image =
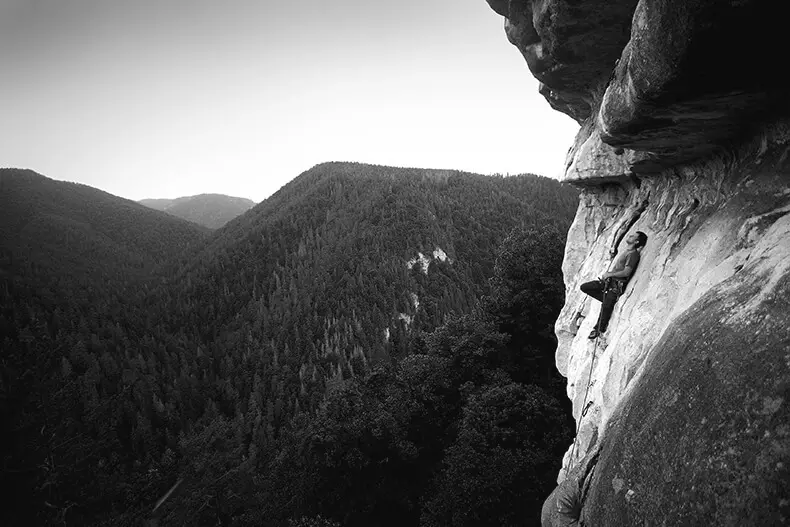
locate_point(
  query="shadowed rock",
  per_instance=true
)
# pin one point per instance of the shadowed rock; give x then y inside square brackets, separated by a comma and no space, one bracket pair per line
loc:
[570,47]
[677,79]
[694,75]
[705,437]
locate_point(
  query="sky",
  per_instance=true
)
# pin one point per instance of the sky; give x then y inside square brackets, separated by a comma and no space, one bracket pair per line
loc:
[168,98]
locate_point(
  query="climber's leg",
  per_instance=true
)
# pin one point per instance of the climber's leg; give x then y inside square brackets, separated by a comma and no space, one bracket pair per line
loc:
[594,289]
[609,297]
[607,306]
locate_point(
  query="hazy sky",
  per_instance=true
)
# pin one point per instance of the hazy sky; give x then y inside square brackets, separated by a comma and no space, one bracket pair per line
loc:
[165,98]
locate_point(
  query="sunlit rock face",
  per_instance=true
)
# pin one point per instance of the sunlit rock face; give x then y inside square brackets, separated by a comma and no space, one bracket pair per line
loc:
[704,437]
[689,391]
[682,406]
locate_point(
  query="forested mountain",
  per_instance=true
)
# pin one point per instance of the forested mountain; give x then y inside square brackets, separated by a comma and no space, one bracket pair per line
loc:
[72,259]
[210,366]
[58,231]
[210,210]
[349,259]
[467,430]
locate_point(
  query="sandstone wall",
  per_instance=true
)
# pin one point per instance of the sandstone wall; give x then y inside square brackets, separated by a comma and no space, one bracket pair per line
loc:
[682,406]
[706,222]
[687,406]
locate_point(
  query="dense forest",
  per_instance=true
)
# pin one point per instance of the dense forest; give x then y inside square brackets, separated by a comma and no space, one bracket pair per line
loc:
[369,346]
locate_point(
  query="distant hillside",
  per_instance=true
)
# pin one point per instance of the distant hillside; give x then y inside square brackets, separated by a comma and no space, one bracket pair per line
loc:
[210,210]
[345,264]
[196,373]
[54,230]
[73,263]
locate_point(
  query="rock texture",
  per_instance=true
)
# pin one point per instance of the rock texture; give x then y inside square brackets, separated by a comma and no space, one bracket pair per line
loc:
[570,46]
[682,406]
[675,78]
[689,388]
[674,91]
[705,436]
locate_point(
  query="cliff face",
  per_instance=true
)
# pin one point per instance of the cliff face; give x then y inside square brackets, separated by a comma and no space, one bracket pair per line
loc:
[687,400]
[682,405]
[671,79]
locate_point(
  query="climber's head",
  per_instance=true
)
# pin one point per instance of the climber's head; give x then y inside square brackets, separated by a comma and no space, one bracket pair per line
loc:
[636,240]
[641,239]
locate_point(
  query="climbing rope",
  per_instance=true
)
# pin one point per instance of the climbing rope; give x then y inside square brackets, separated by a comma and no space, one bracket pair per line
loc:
[612,253]
[586,392]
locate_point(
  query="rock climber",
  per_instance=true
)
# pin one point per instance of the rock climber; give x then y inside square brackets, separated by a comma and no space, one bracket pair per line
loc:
[611,285]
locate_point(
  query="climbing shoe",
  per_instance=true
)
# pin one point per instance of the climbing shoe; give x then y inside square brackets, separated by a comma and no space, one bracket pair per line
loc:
[594,334]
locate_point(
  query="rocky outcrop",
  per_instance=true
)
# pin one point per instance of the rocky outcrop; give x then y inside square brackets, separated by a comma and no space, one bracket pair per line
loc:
[674,91]
[672,78]
[704,437]
[570,47]
[688,389]
[682,406]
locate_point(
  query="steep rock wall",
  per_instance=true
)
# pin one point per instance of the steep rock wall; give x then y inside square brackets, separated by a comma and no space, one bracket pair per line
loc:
[689,388]
[705,222]
[682,406]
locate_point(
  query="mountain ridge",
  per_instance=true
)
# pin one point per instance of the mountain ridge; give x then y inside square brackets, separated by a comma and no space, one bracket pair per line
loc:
[57,225]
[209,209]
[374,203]
[199,364]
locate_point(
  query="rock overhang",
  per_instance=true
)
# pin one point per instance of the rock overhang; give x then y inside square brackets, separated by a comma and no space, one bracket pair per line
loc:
[570,47]
[661,82]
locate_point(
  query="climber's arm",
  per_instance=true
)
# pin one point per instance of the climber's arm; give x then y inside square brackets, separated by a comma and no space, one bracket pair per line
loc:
[631,261]
[624,273]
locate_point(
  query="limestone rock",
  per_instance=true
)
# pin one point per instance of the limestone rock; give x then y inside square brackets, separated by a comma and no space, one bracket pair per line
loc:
[704,439]
[704,319]
[679,79]
[674,92]
[593,162]
[570,46]
[563,508]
